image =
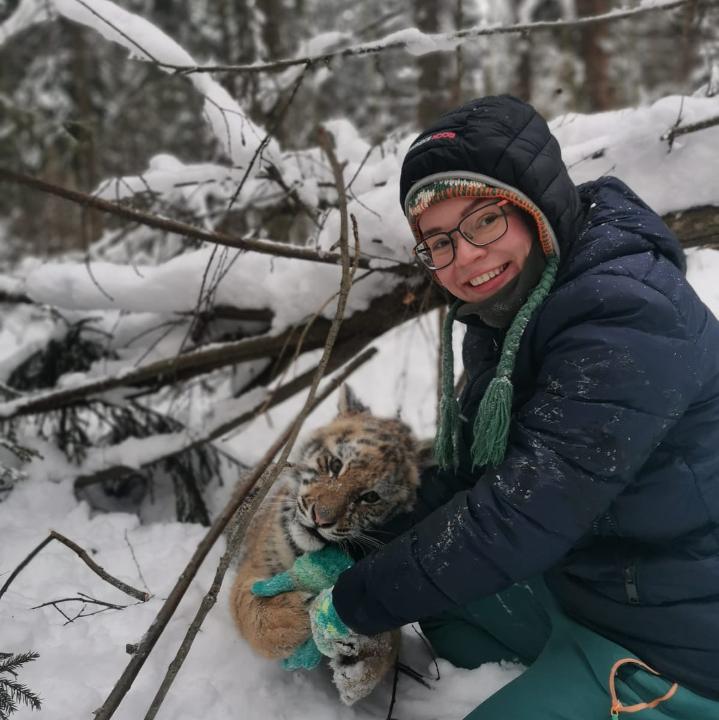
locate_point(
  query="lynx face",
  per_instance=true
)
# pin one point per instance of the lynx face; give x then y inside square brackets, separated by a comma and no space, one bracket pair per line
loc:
[355,473]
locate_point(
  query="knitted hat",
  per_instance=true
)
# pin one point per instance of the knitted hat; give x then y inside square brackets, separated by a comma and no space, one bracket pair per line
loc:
[443,186]
[491,426]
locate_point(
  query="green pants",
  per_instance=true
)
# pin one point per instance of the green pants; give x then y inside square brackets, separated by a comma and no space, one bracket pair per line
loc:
[569,664]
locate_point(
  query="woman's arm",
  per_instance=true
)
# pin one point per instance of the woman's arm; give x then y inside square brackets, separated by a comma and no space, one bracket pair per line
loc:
[618,371]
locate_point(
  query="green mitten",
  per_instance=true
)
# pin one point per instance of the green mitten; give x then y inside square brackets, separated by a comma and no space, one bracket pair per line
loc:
[311,572]
[305,657]
[332,636]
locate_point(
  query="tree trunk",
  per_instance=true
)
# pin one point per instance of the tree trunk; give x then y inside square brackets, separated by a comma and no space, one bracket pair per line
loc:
[599,89]
[433,68]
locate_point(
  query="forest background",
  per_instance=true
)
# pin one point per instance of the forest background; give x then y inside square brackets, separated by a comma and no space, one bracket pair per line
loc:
[175,269]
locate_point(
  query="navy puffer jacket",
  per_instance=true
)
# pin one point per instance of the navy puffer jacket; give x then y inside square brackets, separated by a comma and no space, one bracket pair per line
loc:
[610,484]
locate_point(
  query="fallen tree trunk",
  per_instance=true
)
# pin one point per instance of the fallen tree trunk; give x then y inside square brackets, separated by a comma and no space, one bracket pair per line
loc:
[697,226]
[403,303]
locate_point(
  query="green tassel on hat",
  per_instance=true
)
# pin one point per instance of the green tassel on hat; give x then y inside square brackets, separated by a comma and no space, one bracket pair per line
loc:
[446,443]
[491,425]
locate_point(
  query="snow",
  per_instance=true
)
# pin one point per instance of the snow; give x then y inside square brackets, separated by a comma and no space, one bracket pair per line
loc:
[629,146]
[625,143]
[27,13]
[240,137]
[79,661]
[418,43]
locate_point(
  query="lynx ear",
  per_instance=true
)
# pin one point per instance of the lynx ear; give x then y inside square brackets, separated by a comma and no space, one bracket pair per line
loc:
[348,404]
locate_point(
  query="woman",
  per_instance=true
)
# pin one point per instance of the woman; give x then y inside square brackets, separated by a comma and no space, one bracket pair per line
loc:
[574,524]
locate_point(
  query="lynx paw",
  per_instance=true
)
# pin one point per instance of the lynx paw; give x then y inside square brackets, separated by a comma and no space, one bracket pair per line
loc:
[280,624]
[357,672]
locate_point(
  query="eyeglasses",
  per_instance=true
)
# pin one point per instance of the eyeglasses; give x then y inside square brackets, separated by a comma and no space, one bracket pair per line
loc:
[480,227]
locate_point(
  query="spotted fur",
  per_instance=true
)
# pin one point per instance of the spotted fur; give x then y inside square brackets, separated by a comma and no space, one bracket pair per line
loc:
[352,475]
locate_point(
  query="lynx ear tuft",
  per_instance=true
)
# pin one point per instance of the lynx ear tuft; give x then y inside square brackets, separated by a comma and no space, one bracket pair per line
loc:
[348,403]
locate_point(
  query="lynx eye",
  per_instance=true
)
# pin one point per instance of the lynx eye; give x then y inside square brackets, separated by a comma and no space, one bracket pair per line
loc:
[335,466]
[369,497]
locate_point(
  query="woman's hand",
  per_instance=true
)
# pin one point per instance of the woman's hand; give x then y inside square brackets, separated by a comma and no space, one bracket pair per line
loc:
[311,572]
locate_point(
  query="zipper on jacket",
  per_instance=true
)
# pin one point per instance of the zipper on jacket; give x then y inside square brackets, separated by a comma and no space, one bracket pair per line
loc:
[630,584]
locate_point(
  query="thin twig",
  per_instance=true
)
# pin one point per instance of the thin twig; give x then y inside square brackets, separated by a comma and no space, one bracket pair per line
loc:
[429,649]
[86,599]
[82,554]
[678,130]
[395,680]
[261,246]
[417,676]
[433,41]
[137,564]
[271,131]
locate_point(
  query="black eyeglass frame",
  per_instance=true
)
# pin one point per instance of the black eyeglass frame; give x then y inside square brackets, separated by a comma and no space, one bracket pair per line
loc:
[500,203]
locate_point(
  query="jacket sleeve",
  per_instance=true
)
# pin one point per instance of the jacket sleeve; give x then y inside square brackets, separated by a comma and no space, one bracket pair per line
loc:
[616,371]
[436,487]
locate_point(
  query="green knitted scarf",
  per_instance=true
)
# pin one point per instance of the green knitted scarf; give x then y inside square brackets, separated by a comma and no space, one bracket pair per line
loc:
[491,425]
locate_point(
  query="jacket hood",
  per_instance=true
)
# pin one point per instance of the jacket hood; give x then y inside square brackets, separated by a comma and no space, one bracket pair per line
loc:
[506,139]
[618,224]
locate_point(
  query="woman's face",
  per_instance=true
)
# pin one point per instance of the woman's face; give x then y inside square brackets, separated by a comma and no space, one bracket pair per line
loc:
[478,272]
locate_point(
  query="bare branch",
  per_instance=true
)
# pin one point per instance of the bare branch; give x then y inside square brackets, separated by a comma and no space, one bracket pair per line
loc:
[85,600]
[127,589]
[233,541]
[695,227]
[685,129]
[186,230]
[286,441]
[436,41]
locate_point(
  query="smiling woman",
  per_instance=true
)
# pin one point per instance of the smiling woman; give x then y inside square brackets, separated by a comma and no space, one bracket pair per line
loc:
[573,517]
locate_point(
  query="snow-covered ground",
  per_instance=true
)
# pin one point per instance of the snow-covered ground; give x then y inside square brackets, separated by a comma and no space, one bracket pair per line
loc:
[221,679]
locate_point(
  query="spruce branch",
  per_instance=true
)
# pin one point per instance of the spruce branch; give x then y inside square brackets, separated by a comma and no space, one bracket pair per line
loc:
[22,453]
[341,355]
[12,692]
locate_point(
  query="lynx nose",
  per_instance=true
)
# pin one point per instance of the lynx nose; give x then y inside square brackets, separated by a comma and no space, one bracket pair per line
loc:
[320,517]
